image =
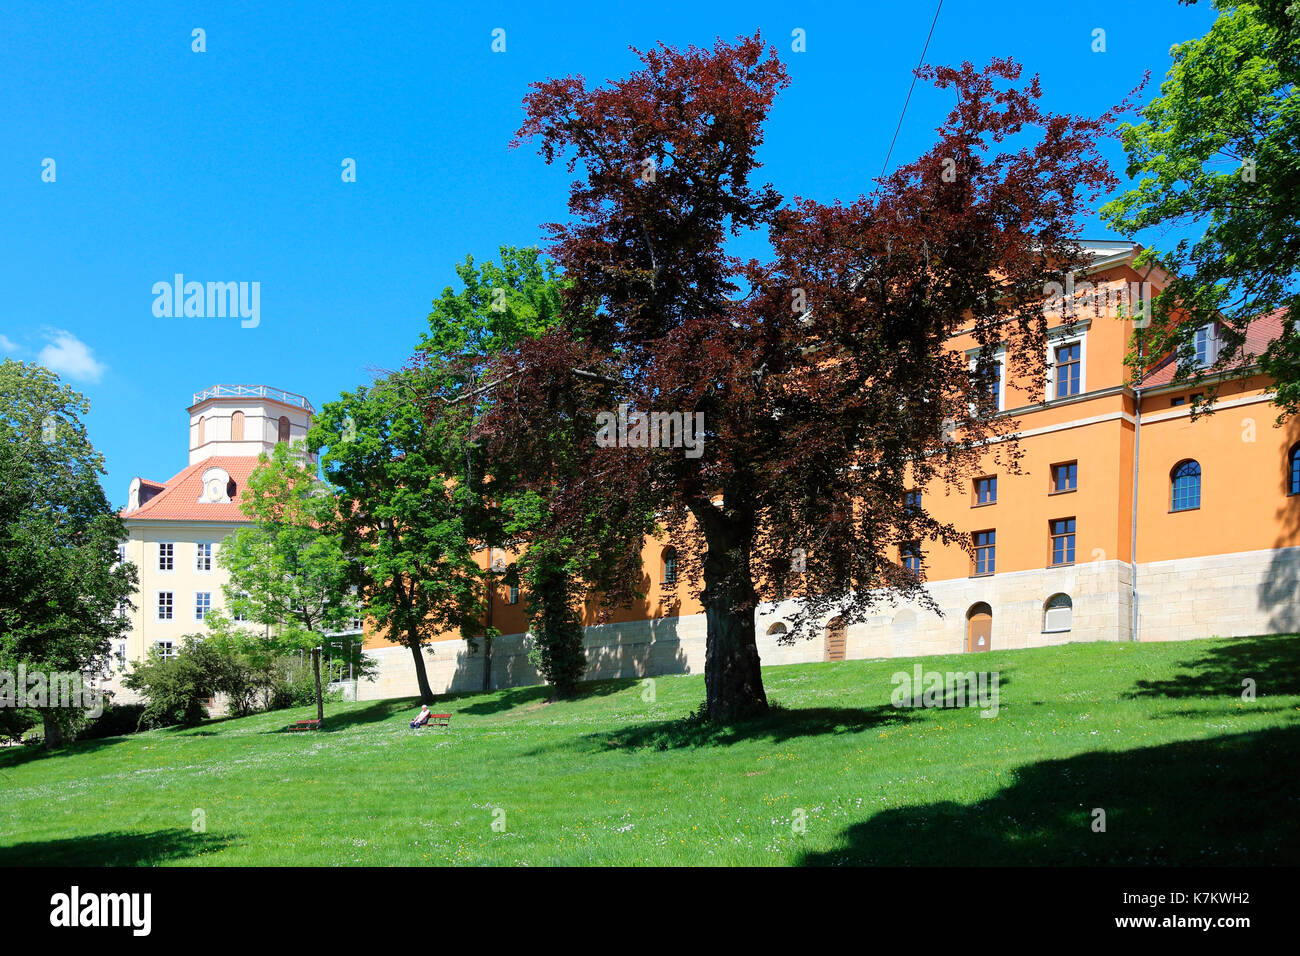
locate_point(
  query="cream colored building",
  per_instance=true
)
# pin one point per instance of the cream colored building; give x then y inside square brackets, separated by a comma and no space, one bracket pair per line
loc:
[176,528]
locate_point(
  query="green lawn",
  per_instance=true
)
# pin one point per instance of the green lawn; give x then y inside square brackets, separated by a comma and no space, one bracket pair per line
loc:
[1156,735]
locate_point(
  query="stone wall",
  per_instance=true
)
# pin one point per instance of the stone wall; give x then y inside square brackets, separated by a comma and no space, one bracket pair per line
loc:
[1222,595]
[1100,592]
[673,645]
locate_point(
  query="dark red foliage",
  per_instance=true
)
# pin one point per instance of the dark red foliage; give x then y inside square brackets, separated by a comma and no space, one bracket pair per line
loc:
[824,375]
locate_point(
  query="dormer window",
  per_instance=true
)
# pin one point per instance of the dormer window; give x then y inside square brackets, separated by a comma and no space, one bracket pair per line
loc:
[216,484]
[1207,345]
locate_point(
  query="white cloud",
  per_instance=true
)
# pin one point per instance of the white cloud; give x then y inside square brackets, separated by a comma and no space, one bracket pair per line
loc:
[71,357]
[7,345]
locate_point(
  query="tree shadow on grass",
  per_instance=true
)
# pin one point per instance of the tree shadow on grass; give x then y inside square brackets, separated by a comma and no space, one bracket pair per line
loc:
[116,848]
[777,726]
[1232,800]
[523,696]
[1271,661]
[500,701]
[375,712]
[17,756]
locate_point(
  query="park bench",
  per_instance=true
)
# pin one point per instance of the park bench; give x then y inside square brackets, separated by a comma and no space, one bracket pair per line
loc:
[438,720]
[312,724]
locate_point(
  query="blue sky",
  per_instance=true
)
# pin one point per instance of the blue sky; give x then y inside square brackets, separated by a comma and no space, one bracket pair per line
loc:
[226,165]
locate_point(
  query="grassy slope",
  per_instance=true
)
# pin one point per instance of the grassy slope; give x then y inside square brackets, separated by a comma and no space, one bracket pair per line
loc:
[1157,735]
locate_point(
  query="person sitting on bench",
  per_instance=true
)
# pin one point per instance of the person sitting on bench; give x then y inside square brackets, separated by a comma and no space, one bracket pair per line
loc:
[422,717]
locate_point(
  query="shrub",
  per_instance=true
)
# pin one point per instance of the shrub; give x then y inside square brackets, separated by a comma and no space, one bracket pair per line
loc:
[16,721]
[294,685]
[177,688]
[117,720]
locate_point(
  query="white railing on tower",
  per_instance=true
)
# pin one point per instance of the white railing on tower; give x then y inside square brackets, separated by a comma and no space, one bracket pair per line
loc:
[253,391]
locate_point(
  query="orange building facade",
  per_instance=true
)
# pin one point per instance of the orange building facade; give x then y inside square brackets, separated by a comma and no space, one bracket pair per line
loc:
[1125,520]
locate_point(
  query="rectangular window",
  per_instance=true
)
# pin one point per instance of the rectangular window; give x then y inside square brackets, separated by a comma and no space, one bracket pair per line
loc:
[121,554]
[1065,477]
[203,557]
[985,551]
[239,615]
[166,648]
[355,624]
[990,383]
[911,554]
[1062,540]
[912,502]
[1069,369]
[166,556]
[986,490]
[1178,400]
[164,605]
[202,604]
[995,386]
[514,594]
[1206,345]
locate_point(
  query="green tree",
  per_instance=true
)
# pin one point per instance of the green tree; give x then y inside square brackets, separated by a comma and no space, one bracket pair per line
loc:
[499,306]
[289,571]
[403,517]
[1217,150]
[60,582]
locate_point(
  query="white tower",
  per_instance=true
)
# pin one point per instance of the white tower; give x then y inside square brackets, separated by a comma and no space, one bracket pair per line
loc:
[245,420]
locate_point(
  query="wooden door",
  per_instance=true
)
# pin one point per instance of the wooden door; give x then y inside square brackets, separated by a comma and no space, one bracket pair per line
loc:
[979,628]
[836,640]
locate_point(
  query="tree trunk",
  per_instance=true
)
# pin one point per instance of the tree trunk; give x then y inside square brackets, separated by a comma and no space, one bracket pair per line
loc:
[487,662]
[487,637]
[421,675]
[733,679]
[53,730]
[320,698]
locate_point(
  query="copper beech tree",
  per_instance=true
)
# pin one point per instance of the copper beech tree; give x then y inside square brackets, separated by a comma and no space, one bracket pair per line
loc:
[825,376]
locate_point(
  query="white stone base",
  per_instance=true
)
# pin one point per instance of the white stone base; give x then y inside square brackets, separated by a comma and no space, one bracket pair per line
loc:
[1227,595]
[1222,595]
[1101,592]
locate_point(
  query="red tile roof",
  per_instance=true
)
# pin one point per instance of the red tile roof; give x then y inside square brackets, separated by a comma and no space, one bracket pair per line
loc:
[1259,333]
[179,498]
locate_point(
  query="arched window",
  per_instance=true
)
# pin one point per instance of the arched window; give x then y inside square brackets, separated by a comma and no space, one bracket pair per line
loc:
[1185,486]
[202,429]
[670,566]
[1058,613]
[777,630]
[284,430]
[1293,471]
[237,426]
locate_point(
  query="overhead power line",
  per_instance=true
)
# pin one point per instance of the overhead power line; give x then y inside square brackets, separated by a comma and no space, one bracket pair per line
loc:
[919,64]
